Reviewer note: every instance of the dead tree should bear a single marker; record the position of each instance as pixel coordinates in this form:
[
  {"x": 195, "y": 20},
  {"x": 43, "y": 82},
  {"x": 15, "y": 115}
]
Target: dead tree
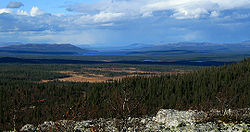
[{"x": 124, "y": 106}]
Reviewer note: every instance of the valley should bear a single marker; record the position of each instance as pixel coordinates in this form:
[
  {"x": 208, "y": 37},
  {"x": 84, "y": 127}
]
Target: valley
[
  {"x": 39, "y": 83},
  {"x": 35, "y": 93}
]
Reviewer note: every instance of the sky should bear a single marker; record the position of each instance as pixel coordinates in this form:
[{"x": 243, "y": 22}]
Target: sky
[{"x": 122, "y": 22}]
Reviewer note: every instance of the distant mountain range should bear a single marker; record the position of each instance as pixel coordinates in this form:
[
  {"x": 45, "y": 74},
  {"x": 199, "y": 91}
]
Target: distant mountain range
[
  {"x": 42, "y": 49},
  {"x": 190, "y": 50},
  {"x": 187, "y": 47},
  {"x": 190, "y": 46}
]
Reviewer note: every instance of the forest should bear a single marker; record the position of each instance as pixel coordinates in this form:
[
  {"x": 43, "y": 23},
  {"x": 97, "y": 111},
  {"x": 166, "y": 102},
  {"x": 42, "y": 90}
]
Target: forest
[{"x": 25, "y": 100}]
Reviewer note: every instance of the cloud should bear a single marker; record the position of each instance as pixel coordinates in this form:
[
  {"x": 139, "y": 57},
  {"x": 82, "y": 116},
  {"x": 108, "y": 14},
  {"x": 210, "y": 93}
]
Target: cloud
[
  {"x": 14, "y": 4},
  {"x": 128, "y": 21},
  {"x": 35, "y": 11},
  {"x": 214, "y": 14},
  {"x": 4, "y": 10},
  {"x": 189, "y": 14},
  {"x": 106, "y": 16},
  {"x": 22, "y": 12},
  {"x": 24, "y": 23},
  {"x": 181, "y": 9}
]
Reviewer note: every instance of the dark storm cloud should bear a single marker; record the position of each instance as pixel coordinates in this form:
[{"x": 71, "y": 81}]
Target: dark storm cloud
[{"x": 15, "y": 4}]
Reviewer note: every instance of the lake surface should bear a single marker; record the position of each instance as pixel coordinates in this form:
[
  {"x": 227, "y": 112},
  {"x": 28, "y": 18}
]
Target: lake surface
[
  {"x": 148, "y": 62},
  {"x": 101, "y": 53}
]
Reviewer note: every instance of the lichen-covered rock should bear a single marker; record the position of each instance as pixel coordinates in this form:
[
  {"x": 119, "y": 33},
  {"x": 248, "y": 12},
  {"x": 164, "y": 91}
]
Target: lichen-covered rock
[
  {"x": 165, "y": 120},
  {"x": 46, "y": 126},
  {"x": 83, "y": 126},
  {"x": 64, "y": 125},
  {"x": 27, "y": 128},
  {"x": 174, "y": 118}
]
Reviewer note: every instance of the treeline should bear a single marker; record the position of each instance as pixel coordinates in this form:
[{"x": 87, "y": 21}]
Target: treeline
[{"x": 24, "y": 101}]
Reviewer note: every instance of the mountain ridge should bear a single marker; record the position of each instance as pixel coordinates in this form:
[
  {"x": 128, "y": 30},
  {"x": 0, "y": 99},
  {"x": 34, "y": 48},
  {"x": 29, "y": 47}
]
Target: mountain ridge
[{"x": 43, "y": 49}]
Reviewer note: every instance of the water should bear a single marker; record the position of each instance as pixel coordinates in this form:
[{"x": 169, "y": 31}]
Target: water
[
  {"x": 197, "y": 61},
  {"x": 63, "y": 61},
  {"x": 101, "y": 53},
  {"x": 157, "y": 61}
]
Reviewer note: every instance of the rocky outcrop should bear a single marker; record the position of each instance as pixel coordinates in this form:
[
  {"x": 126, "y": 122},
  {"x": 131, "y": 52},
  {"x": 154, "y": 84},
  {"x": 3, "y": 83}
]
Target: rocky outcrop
[
  {"x": 174, "y": 118},
  {"x": 165, "y": 120}
]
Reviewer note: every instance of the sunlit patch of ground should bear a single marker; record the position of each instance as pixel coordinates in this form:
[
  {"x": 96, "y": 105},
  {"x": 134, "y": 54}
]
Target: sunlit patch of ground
[
  {"x": 92, "y": 78},
  {"x": 127, "y": 70},
  {"x": 85, "y": 76}
]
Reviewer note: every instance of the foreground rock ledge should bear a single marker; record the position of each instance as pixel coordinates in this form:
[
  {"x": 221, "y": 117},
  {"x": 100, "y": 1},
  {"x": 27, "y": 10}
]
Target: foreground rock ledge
[{"x": 165, "y": 120}]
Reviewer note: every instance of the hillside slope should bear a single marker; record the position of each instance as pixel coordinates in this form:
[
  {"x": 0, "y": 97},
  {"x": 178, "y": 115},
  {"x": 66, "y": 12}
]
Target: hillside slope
[
  {"x": 42, "y": 48},
  {"x": 220, "y": 88}
]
